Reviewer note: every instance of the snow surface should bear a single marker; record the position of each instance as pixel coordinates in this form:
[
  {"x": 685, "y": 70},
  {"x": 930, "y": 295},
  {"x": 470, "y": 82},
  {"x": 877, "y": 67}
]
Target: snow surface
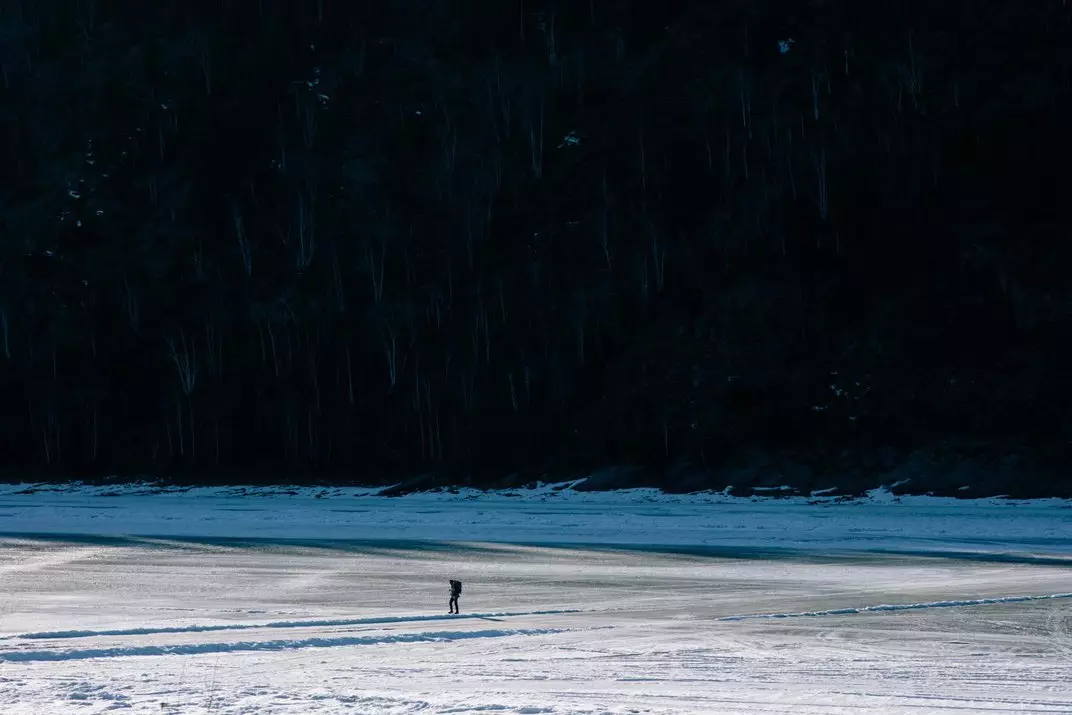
[
  {"x": 326, "y": 601},
  {"x": 545, "y": 515}
]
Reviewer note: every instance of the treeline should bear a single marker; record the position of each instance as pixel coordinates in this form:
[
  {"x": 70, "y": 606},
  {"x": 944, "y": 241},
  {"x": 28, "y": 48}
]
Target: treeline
[{"x": 330, "y": 237}]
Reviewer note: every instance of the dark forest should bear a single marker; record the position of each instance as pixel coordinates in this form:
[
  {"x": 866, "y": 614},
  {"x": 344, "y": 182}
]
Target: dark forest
[{"x": 724, "y": 242}]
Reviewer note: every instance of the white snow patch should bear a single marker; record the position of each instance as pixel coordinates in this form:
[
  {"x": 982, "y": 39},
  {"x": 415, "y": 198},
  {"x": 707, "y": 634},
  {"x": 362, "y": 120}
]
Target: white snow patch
[{"x": 331, "y": 626}]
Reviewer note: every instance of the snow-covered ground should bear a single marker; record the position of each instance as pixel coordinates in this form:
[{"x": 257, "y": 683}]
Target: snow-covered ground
[
  {"x": 333, "y": 601},
  {"x": 545, "y": 515}
]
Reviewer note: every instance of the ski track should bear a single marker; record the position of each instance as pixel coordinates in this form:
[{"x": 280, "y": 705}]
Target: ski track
[
  {"x": 273, "y": 645},
  {"x": 323, "y": 623},
  {"x": 900, "y": 607}
]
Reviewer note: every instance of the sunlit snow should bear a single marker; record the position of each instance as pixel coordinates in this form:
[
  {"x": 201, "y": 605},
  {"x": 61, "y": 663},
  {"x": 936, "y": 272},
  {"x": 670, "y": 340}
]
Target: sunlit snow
[{"x": 334, "y": 601}]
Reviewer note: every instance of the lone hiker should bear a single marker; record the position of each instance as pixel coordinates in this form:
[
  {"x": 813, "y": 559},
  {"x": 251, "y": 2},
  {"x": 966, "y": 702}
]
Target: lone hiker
[{"x": 455, "y": 591}]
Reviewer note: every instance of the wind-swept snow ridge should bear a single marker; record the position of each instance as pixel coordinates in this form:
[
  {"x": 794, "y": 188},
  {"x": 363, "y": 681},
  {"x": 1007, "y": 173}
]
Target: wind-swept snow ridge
[
  {"x": 900, "y": 607},
  {"x": 43, "y": 635},
  {"x": 273, "y": 645}
]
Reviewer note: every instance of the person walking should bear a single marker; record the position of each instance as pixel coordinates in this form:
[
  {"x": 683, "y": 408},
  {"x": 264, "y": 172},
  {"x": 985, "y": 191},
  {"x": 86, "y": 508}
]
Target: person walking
[{"x": 455, "y": 591}]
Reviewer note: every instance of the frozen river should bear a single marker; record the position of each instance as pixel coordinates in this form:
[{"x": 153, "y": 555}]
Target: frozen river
[{"x": 104, "y": 622}]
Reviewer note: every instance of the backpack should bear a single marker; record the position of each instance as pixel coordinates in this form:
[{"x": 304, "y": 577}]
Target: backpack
[{"x": 456, "y": 587}]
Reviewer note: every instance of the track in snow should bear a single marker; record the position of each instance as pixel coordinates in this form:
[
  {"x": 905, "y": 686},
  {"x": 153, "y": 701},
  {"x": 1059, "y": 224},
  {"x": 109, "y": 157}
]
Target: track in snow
[
  {"x": 902, "y": 607},
  {"x": 270, "y": 645},
  {"x": 323, "y": 623}
]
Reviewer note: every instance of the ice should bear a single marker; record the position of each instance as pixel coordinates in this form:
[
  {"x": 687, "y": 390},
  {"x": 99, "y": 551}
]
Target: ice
[
  {"x": 327, "y": 601},
  {"x": 549, "y": 514}
]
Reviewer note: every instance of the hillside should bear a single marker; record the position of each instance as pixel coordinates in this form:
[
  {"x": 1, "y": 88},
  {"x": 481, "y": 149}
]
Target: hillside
[{"x": 729, "y": 243}]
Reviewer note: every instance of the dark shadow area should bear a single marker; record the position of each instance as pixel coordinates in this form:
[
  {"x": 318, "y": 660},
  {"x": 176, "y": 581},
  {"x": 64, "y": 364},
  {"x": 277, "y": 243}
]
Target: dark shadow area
[
  {"x": 419, "y": 548},
  {"x": 478, "y": 243}
]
